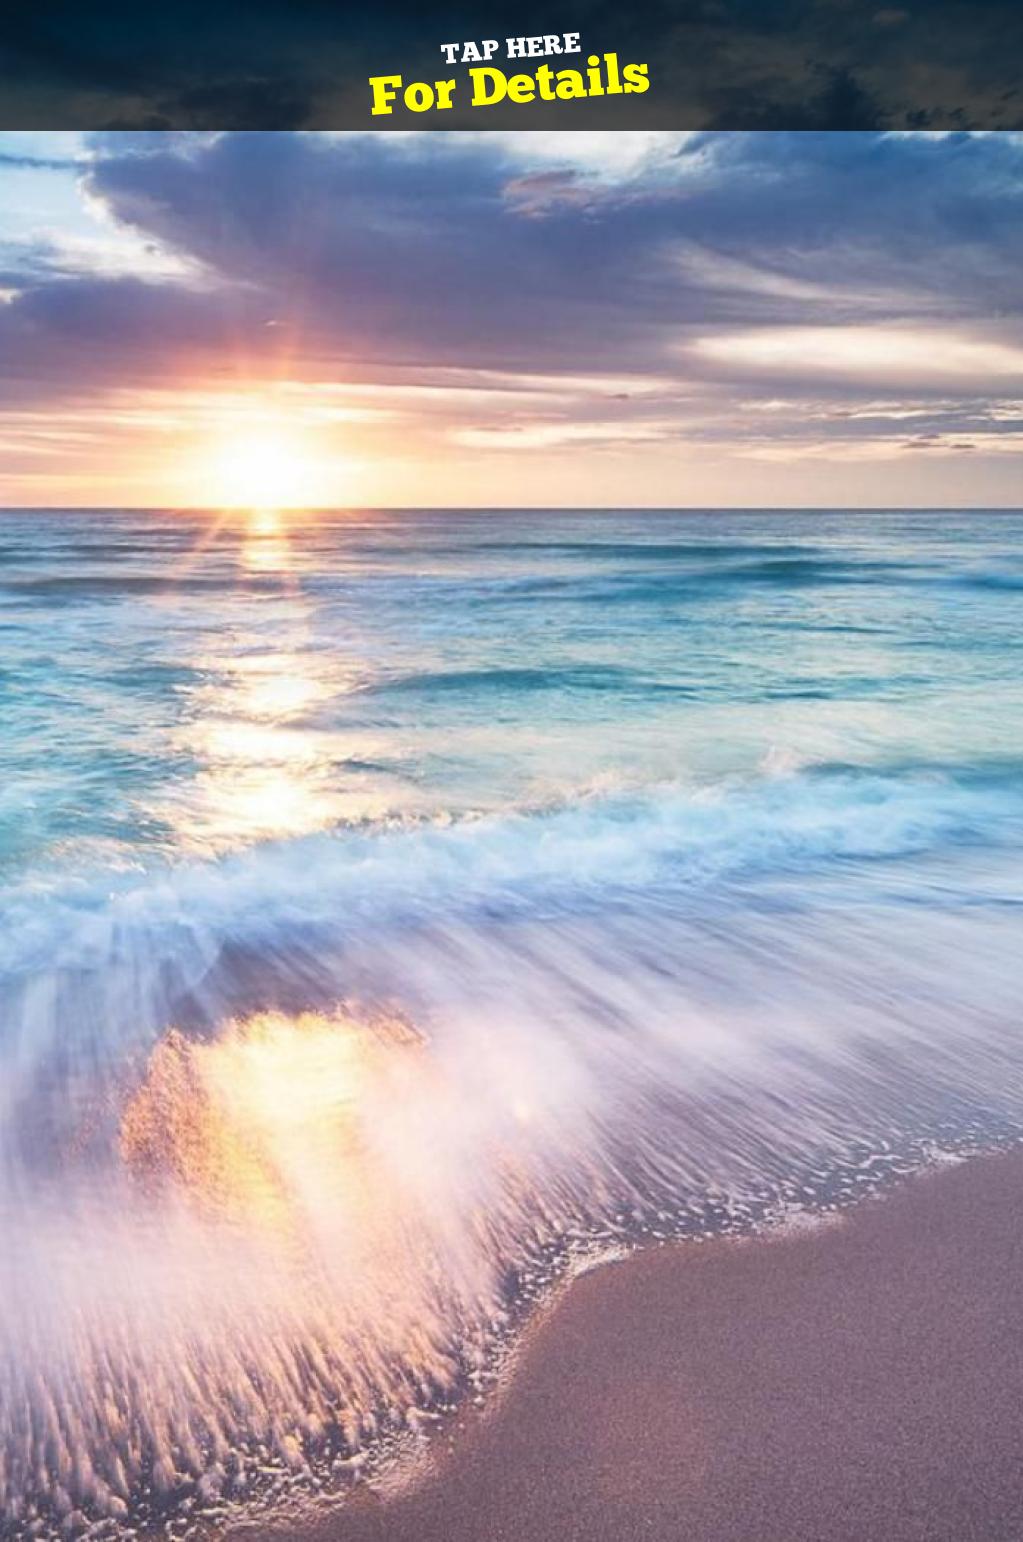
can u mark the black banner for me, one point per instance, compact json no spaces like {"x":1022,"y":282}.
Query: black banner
{"x":720,"y":64}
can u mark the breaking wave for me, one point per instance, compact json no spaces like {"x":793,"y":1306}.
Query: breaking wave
{"x":290,"y":1139}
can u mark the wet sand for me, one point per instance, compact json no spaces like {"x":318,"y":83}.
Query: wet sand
{"x":861,"y":1382}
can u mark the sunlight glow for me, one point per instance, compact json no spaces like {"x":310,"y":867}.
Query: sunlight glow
{"x":267,"y":1123}
{"x":266,"y":468}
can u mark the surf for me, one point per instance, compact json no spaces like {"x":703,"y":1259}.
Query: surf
{"x":292,"y":1139}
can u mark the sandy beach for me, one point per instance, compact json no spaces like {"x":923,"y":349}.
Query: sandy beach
{"x":856,"y":1381}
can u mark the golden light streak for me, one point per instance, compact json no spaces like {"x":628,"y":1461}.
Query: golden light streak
{"x":253,"y":1125}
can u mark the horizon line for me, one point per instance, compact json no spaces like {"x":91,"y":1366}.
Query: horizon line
{"x":513,"y":508}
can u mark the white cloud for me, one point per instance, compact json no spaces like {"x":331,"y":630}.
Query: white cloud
{"x":893,"y":353}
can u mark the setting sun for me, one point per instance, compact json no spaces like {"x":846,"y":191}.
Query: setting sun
{"x":264,"y":470}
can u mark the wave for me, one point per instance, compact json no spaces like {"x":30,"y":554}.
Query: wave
{"x":587,"y":676}
{"x":513,"y":680}
{"x":999,"y":579}
{"x":649,"y":550}
{"x":700,"y":576}
{"x":87,"y":586}
{"x":288,"y":1141}
{"x":673,"y":837}
{"x":680,"y":577}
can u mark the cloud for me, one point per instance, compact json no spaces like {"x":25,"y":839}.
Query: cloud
{"x":10,"y":162}
{"x":903,"y":356}
{"x":768,"y":294}
{"x":447,"y":250}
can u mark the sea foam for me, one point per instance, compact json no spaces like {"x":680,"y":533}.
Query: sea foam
{"x":291,"y":1139}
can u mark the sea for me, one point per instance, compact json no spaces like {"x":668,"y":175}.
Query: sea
{"x":399,"y":909}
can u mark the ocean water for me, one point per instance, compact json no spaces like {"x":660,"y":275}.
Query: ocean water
{"x":397,"y":907}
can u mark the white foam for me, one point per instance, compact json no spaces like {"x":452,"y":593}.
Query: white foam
{"x":641,"y":1014}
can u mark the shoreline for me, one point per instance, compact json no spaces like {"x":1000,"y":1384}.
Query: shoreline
{"x":857,"y":1377}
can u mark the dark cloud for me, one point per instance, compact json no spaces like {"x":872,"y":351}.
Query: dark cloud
{"x":840,"y":103}
{"x":443,"y":245}
{"x":37,"y":163}
{"x":837,"y":64}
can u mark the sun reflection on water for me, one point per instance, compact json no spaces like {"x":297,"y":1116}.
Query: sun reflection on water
{"x":266,"y":547}
{"x":268,"y":763}
{"x":265,"y":1124}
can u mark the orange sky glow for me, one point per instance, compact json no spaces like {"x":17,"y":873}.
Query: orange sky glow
{"x":463,"y":320}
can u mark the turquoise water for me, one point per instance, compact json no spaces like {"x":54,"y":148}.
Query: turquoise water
{"x":179,"y":686}
{"x":634,"y":872}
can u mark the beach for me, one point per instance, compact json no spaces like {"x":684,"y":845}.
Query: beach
{"x":858,"y":1379}
{"x":511,"y":823}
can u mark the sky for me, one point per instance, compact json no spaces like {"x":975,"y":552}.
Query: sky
{"x":505,"y":319}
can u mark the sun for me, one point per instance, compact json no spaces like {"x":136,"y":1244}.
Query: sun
{"x":266,"y":469}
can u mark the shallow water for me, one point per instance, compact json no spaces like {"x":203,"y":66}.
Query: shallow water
{"x":396,"y":904}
